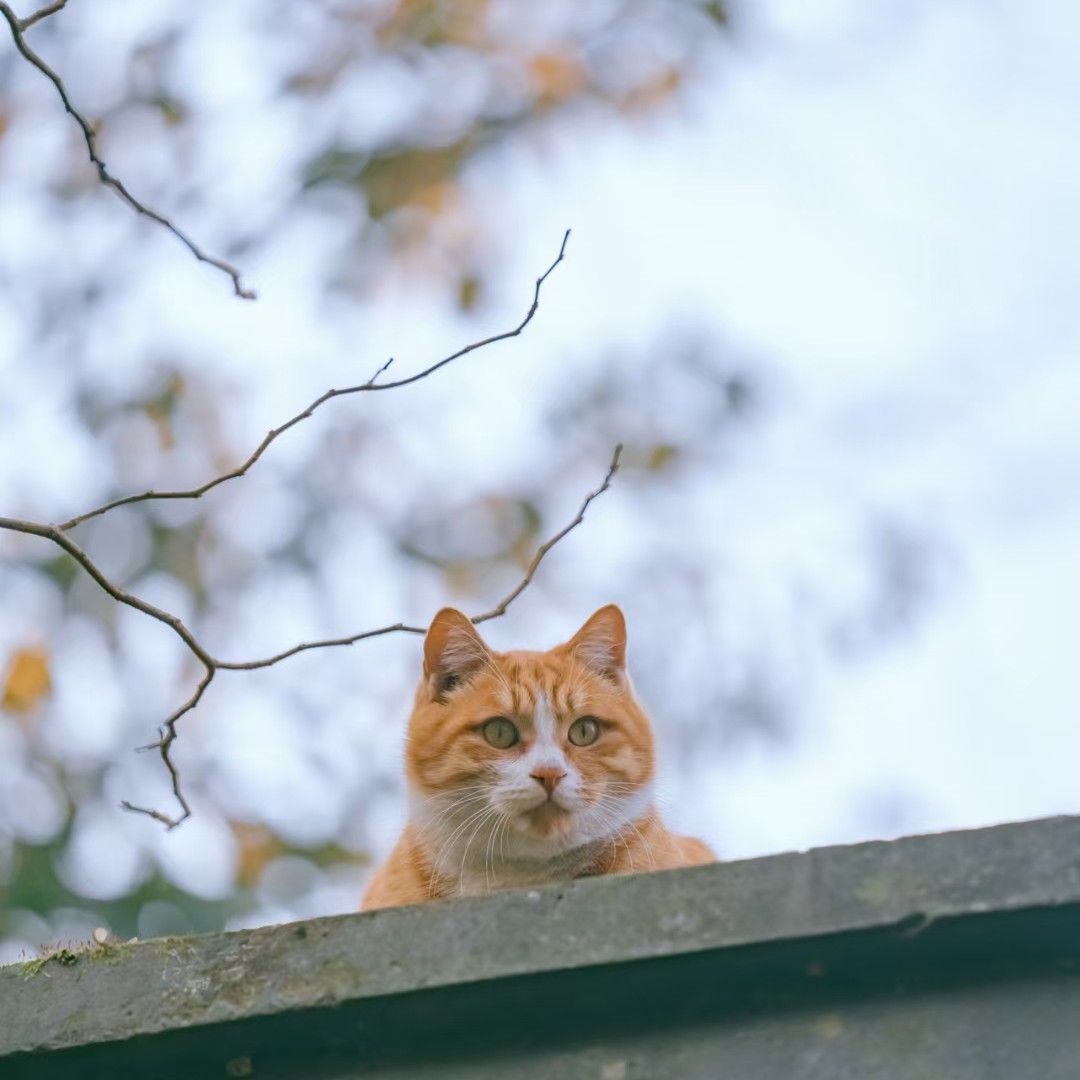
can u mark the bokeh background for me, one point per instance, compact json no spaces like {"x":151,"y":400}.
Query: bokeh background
{"x":821,"y":284}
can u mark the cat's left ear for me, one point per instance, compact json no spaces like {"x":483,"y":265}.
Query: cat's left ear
{"x":601,"y":643}
{"x":453,"y":650}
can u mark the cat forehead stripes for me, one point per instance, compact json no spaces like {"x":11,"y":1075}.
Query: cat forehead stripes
{"x":523,"y":683}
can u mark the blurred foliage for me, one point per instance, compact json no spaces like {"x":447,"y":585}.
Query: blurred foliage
{"x":372,"y":121}
{"x":36,"y":887}
{"x":397,"y":100}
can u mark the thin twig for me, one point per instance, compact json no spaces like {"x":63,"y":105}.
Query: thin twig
{"x":544,"y":548}
{"x":44,"y":13}
{"x":166,"y":737}
{"x":17,"y":26}
{"x":370,"y":386}
{"x":167,"y":733}
{"x":404,"y":628}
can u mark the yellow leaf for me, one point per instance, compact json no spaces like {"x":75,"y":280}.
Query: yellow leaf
{"x":661,"y":456}
{"x":257,"y":845}
{"x":27,"y":680}
{"x":556,"y":76}
{"x":468,"y":292}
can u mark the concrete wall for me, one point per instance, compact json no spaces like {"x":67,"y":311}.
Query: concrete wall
{"x":950,"y":956}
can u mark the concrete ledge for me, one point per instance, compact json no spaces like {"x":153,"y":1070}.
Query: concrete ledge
{"x":170,"y":986}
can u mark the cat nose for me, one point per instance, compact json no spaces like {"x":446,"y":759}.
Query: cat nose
{"x":548,"y":777}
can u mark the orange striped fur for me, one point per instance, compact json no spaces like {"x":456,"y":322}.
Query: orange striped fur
{"x":570,"y":797}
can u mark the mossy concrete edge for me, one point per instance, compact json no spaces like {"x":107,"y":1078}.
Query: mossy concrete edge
{"x":175,"y":983}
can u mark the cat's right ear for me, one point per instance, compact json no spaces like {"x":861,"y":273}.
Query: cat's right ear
{"x":453,"y":650}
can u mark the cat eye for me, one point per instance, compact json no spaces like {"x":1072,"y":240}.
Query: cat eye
{"x":584,"y":731}
{"x":500,"y":733}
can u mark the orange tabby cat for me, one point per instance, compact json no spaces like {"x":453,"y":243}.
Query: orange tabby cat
{"x":525,"y":768}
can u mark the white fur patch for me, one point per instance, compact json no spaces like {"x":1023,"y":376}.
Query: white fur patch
{"x":546,"y":750}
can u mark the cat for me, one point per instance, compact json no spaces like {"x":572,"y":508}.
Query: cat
{"x":525,"y":768}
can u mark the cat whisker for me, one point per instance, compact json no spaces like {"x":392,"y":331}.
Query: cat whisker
{"x":445,"y":846}
{"x":489,"y":861}
{"x":617,"y":825}
{"x":605,"y":802}
{"x":485,"y":816}
{"x":457,"y":793}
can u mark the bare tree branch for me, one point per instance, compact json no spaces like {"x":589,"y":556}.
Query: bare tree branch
{"x":370,"y":386}
{"x":57,"y":534}
{"x":167,"y":733}
{"x":17,"y":26}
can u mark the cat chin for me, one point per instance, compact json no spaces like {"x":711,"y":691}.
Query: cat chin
{"x":525,"y":842}
{"x":548,"y":821}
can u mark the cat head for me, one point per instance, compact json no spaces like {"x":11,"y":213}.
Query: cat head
{"x":547,"y":750}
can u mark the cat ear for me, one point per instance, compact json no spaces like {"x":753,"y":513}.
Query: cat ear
{"x":601,"y":643}
{"x":453,"y":650}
